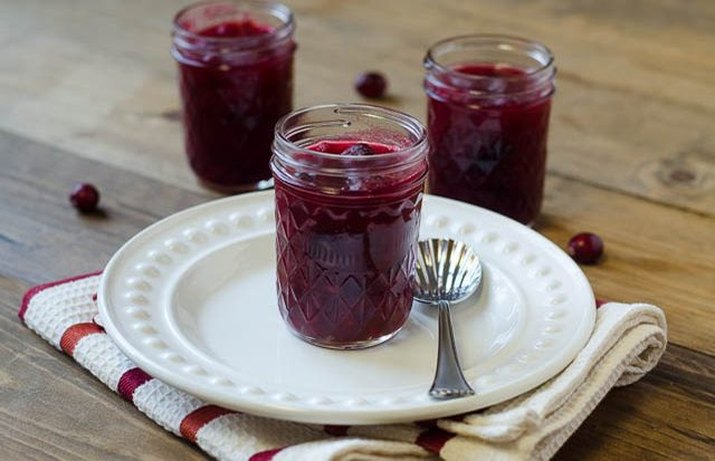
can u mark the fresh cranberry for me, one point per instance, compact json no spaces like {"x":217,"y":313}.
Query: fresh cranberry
{"x":358,"y":150}
{"x":84,"y":197}
{"x":371,"y":84}
{"x":586,"y":248}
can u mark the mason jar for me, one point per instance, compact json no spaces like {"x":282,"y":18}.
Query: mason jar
{"x":488,"y":105}
{"x":235,"y":63}
{"x":349,"y":181}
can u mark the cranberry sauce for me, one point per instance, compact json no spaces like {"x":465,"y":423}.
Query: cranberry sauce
{"x":489,"y":98}
{"x":492,"y":154}
{"x":346,"y":259}
{"x":234,"y":29}
{"x":236,"y":81}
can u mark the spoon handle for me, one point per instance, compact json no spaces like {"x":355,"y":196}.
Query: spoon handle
{"x":449,"y":381}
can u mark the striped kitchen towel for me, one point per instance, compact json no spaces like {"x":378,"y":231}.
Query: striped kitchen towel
{"x":627,"y":342}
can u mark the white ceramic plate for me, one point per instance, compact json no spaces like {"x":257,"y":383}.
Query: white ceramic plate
{"x":192,"y":301}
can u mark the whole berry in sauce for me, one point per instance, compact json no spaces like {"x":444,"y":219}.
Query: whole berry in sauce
{"x":358,"y":150}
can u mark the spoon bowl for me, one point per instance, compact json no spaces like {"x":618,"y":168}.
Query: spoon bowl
{"x":448,"y":271}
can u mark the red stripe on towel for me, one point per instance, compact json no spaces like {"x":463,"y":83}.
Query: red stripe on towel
{"x":72,"y":335}
{"x":35,"y":290}
{"x":198,"y":418}
{"x":433,"y":439}
{"x":130,"y":381}
{"x":265,"y":455}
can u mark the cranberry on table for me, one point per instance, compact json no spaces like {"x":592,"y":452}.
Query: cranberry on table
{"x":85,"y":197}
{"x":585,"y":248}
{"x":371,"y":84}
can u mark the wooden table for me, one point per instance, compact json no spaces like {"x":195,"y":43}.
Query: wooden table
{"x":88,"y":93}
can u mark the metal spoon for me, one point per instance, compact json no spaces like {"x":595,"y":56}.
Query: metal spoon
{"x":448,"y":271}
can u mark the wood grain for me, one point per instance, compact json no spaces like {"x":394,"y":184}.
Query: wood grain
{"x":46,"y":238}
{"x":49,"y":407}
{"x":653,"y":253}
{"x":629,"y":74}
{"x":667,"y":415}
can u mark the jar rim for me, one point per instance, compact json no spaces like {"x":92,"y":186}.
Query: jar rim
{"x":430,"y":60}
{"x":414,"y":126}
{"x":278,"y":10}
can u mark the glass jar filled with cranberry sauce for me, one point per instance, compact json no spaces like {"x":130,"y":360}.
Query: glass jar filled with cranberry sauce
{"x":236,"y":80}
{"x":349,"y":182}
{"x":489,"y":99}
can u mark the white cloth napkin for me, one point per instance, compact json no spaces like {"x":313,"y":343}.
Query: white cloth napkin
{"x":627,"y":342}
